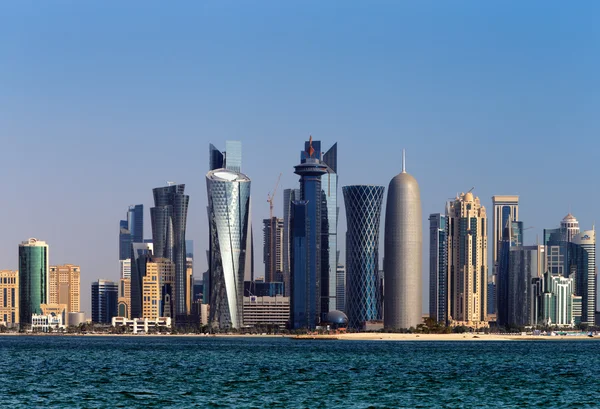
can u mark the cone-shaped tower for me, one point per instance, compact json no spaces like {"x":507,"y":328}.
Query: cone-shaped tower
{"x":403,"y":253}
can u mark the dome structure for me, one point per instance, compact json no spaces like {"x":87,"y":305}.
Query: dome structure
{"x":337,"y":317}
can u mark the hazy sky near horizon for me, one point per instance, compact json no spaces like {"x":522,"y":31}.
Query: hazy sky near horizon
{"x":102,"y":101}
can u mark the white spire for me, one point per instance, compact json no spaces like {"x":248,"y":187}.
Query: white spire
{"x":403,"y":161}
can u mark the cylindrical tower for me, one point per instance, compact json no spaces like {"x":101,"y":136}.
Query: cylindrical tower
{"x":363,"y":213}
{"x":403,"y":253}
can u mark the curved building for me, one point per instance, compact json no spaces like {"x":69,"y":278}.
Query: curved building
{"x":403,"y":249}
{"x":33,"y":279}
{"x":229,"y":222}
{"x":363,"y":214}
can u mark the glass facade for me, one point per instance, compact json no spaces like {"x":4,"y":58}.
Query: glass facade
{"x":289,"y":195}
{"x":135,"y":222}
{"x":341,"y":288}
{"x":169,"y":216}
{"x":262,"y":289}
{"x":304,"y":305}
{"x":233,"y":156}
{"x":141,"y":255}
{"x":104,"y":301}
{"x":230,"y":243}
{"x":363,"y":214}
{"x":33,"y":278}
{"x":438,"y":267}
{"x":124,"y":240}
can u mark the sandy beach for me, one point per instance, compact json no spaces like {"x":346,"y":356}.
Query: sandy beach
{"x":365,"y":336}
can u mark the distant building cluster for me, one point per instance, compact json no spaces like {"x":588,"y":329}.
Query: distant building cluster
{"x":305,"y":286}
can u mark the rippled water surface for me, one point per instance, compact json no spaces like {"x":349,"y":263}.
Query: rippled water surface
{"x":92,"y":372}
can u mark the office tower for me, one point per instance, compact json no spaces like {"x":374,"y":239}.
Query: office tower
{"x":512,"y":237}
{"x":569,"y":228}
{"x":189,"y":247}
{"x":141,"y":253}
{"x":169,"y":216}
{"x":230,"y":244}
{"x":310,"y":223}
{"x":9,"y":297}
{"x":491,"y":297}
{"x":585,"y":247}
{"x":403,"y":253}
{"x":104,"y":301}
{"x":467,"y":261}
{"x":505,"y":208}
{"x":340,"y":274}
{"x":131,"y":230}
{"x":304,"y":278}
{"x":438,"y":267}
{"x":289,"y":196}
{"x":33,"y":279}
{"x":262,"y":289}
{"x":363,"y":215}
{"x":124,"y":298}
{"x":64,"y":287}
{"x":272,"y":249}
{"x":230,"y":159}
{"x":518,"y":306}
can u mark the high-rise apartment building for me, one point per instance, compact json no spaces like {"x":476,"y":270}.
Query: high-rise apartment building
{"x":33,"y":278}
{"x":363,"y":214}
{"x":230,"y":258}
{"x":169,"y":216}
{"x":467,"y":261}
{"x":560,"y":306}
{"x":272,"y":249}
{"x":9,"y":297}
{"x":124,"y":299}
{"x":289,"y":196}
{"x":403,"y":249}
{"x":438,"y":267}
{"x":163,"y":272}
{"x":64,"y":287}
{"x":104,"y":301}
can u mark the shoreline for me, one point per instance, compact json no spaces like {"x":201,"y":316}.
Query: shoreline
{"x":365,"y":336}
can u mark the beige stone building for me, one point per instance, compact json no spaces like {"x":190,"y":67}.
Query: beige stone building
{"x":467,"y":261}
{"x":266,"y":310}
{"x":158,"y":289}
{"x":64,"y":286}
{"x":9,"y":297}
{"x":59,"y":310}
{"x":124,"y":300}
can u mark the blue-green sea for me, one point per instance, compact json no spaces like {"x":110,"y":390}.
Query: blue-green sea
{"x":183,"y":372}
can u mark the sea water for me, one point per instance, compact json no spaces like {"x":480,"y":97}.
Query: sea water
{"x":253,"y":372}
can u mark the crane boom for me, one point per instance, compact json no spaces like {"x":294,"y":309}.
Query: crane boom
{"x":271,"y":196}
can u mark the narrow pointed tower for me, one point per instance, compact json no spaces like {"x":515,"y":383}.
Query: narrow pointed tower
{"x":403,"y":262}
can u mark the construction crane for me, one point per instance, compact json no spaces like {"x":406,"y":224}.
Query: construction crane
{"x":270,"y":275}
{"x":271,"y":196}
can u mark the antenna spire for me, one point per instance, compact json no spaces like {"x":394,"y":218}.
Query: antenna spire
{"x":403,"y":160}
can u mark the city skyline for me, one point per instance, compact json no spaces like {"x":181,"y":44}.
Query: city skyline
{"x":424,"y":96}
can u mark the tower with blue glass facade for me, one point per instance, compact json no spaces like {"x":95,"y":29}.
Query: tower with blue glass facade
{"x":131,"y":230}
{"x":363,"y":215}
{"x":438,"y":267}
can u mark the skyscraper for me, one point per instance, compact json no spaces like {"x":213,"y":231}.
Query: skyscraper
{"x":141,"y":253}
{"x":363,"y":214}
{"x":586,"y":271}
{"x":64,"y":287}
{"x":272,"y":249}
{"x":505,"y":208}
{"x":131,"y":230}
{"x":289,"y":196}
{"x":33,"y":278}
{"x":230,"y":244}
{"x":310,"y":223}
{"x":569,"y":228}
{"x":169,"y":216}
{"x":438,"y":267}
{"x":104,"y":301}
{"x":467,"y":261}
{"x":341,"y":287}
{"x":9,"y":297}
{"x":403,"y":253}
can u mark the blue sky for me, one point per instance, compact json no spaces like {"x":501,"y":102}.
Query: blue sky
{"x":102,"y":101}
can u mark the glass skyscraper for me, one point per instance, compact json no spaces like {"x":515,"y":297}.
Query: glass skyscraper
{"x":169,"y":216}
{"x":438,"y":267}
{"x":131,"y":230}
{"x":304,"y":280}
{"x":104,"y":301}
{"x":141,"y":254}
{"x":289,"y":196}
{"x":33,"y":278}
{"x":363,"y":214}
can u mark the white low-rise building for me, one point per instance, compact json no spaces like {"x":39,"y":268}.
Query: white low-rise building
{"x":43,"y":323}
{"x":138,"y":325}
